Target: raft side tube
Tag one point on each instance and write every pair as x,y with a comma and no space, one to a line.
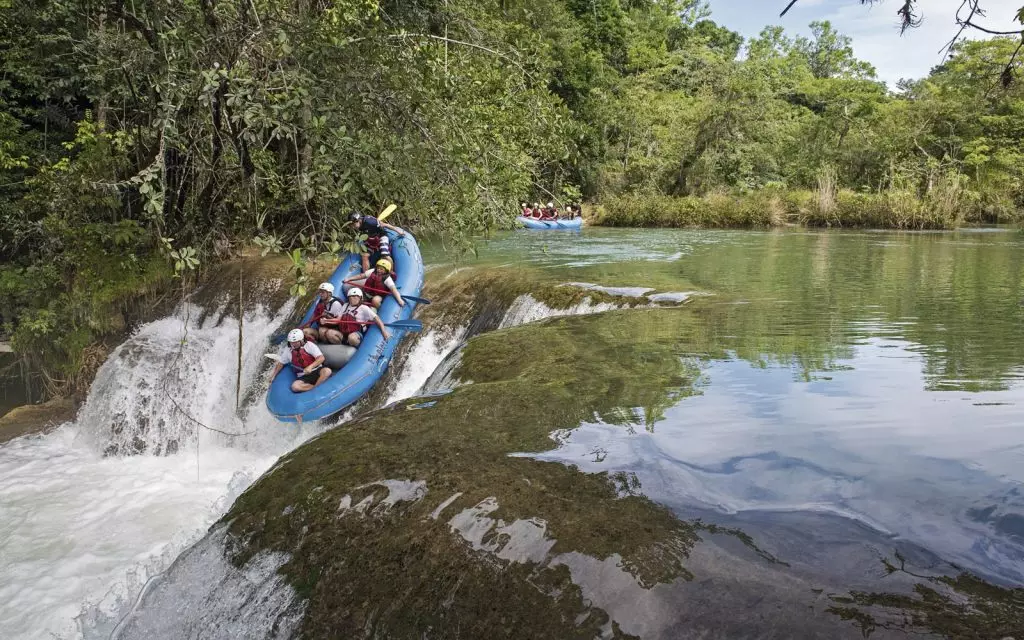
550,225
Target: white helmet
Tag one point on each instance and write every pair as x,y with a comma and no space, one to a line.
551,204
524,205
355,291
296,335
326,286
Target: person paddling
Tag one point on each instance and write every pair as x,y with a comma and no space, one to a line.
378,283
307,360
326,306
378,245
550,213
349,327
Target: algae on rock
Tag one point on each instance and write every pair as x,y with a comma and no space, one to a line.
418,518
404,569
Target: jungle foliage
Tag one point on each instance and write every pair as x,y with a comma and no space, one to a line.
143,141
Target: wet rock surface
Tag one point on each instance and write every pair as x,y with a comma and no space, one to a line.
428,519
36,418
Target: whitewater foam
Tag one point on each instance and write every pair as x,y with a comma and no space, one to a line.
90,512
423,359
526,309
204,595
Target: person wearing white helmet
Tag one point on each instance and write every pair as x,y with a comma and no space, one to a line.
550,212
305,358
353,321
327,306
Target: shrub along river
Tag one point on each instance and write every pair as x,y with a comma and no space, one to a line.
720,434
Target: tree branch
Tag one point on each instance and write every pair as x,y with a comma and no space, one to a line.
428,36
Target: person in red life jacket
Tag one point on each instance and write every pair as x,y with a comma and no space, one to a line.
355,319
377,243
550,213
379,283
525,210
537,211
327,305
305,358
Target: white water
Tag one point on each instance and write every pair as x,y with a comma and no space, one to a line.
526,309
81,532
424,357
223,602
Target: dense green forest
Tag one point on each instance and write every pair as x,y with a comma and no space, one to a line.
143,140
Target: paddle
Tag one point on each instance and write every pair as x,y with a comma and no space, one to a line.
387,212
406,325
416,299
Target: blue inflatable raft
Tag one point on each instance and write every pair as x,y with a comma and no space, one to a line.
532,223
355,371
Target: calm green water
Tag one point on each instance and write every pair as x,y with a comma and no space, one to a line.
849,382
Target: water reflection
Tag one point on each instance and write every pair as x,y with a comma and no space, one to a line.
870,443
797,406
866,376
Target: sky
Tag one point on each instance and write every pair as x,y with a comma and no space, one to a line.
874,28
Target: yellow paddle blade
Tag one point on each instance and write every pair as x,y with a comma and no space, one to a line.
387,212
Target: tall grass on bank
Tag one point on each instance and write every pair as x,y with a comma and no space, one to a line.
759,209
945,205
825,197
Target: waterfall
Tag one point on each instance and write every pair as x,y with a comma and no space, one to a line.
152,393
526,308
93,510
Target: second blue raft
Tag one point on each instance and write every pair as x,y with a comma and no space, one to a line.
533,223
360,368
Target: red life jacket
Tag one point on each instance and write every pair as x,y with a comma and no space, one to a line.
375,286
348,323
320,310
302,358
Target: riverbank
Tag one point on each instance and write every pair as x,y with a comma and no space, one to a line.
944,207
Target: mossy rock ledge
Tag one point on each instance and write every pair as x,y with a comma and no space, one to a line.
421,521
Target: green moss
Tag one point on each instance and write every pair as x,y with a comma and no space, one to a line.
401,572
962,606
264,281
485,294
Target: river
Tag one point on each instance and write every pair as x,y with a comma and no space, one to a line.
874,376
845,386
